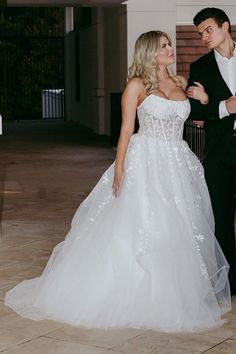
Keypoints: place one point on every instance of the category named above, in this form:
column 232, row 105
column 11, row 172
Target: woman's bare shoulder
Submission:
column 134, row 87
column 136, row 84
column 182, row 80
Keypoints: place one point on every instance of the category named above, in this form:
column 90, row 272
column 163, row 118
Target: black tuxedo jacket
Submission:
column 218, row 132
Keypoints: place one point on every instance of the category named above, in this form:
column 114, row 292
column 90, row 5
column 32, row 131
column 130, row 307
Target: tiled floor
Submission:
column 46, row 169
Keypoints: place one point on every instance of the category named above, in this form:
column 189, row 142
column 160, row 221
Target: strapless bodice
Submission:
column 162, row 118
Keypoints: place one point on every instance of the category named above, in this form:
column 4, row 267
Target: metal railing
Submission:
column 195, row 138
column 53, row 103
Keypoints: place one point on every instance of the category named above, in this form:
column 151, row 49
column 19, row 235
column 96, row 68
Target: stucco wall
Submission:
column 187, row 9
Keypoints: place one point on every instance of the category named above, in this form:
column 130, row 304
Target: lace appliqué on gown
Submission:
column 146, row 259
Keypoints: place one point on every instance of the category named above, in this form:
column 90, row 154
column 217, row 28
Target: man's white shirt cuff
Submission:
column 223, row 110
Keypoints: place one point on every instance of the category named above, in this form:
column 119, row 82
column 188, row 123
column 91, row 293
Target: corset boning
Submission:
column 163, row 119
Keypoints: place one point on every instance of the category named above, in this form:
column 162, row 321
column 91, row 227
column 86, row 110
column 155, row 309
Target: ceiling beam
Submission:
column 51, row 3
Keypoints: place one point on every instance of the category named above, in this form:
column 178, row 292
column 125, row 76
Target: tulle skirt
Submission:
column 146, row 259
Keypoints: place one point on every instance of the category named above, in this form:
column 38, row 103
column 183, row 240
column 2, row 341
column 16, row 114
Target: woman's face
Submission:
column 165, row 54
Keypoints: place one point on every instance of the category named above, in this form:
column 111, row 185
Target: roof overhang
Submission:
column 88, row 3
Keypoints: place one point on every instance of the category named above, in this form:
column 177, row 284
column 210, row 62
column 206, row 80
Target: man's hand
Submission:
column 230, row 104
column 199, row 123
column 198, row 93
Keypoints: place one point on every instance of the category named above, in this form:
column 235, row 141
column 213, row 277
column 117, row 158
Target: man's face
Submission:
column 212, row 35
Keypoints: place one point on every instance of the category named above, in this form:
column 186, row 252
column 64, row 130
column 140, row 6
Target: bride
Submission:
column 141, row 251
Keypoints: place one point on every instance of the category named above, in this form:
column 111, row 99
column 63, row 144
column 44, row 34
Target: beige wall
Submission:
column 187, row 9
column 148, row 15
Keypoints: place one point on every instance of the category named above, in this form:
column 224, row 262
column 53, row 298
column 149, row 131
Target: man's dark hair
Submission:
column 212, row 12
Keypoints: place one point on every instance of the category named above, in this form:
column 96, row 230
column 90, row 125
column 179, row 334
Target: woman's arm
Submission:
column 129, row 103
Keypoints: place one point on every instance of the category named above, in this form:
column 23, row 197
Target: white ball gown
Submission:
column 146, row 259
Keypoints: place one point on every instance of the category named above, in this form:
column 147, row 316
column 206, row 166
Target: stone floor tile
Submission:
column 227, row 347
column 231, row 321
column 163, row 343
column 15, row 329
column 15, row 322
column 52, row 346
column 9, row 338
column 234, row 304
column 227, row 331
column 4, row 310
column 97, row 337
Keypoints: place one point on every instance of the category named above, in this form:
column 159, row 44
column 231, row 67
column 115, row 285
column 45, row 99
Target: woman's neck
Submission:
column 162, row 74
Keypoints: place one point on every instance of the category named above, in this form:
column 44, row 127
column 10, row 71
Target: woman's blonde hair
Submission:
column 144, row 64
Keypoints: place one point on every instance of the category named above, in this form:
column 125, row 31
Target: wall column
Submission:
column 143, row 16
column 99, row 91
column 69, row 53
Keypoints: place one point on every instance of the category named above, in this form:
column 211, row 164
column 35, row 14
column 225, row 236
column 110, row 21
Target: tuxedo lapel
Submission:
column 215, row 76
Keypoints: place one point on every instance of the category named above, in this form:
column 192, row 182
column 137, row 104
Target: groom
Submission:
column 216, row 71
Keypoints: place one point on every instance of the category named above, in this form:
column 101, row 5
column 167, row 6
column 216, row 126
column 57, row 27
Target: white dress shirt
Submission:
column 227, row 69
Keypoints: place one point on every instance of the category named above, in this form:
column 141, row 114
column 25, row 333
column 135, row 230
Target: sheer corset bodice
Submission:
column 163, row 118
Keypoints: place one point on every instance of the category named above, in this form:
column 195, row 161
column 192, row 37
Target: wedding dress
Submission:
column 146, row 259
